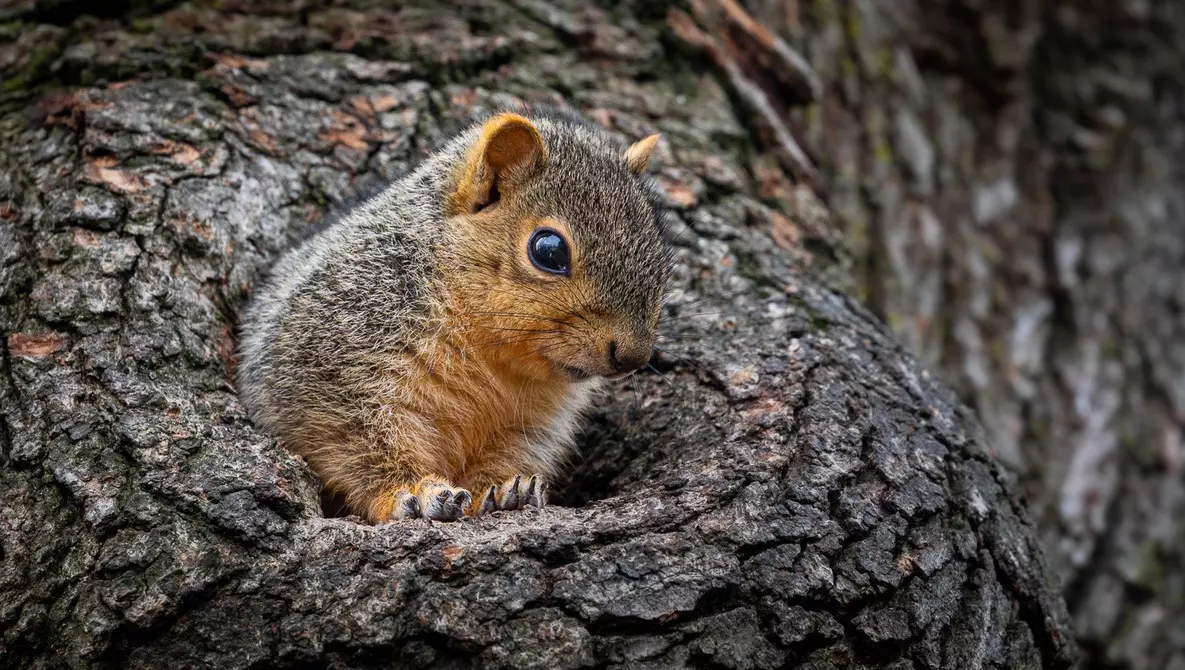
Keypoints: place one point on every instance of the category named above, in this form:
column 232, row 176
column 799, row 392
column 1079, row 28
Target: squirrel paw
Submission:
column 518, row 492
column 407, row 506
column 444, row 503
column 437, row 501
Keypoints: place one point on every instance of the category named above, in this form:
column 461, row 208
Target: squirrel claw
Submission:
column 535, row 496
column 517, row 494
column 443, row 503
column 489, row 503
column 509, row 498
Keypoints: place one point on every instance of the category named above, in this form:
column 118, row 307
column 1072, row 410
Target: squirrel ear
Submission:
column 510, row 148
column 637, row 157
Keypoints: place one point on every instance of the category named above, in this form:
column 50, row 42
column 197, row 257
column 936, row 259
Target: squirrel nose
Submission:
column 628, row 357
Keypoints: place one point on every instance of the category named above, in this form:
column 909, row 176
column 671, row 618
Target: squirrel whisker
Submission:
column 537, row 295
column 666, row 299
column 508, row 343
column 478, row 326
column 688, row 316
column 665, row 379
column 681, row 359
column 545, row 299
column 520, row 340
column 522, row 315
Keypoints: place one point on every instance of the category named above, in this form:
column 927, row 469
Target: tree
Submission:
column 789, row 487
column 1007, row 177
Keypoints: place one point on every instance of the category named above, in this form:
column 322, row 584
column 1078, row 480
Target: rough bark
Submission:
column 1008, row 175
column 790, row 489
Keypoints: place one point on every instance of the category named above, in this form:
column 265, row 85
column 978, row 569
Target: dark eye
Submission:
column 549, row 252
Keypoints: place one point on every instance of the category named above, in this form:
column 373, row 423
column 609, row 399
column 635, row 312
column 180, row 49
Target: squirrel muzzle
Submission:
column 619, row 352
column 627, row 354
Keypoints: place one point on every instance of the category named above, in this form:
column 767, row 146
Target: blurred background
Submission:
column 1002, row 186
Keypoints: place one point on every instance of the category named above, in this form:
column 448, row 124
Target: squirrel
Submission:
column 430, row 353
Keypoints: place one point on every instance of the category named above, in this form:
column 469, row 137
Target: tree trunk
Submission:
column 1008, row 174
column 789, row 488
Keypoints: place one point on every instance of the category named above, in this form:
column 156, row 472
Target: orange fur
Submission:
column 637, row 157
column 508, row 143
column 476, row 413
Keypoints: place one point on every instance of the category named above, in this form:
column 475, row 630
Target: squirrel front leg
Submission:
column 432, row 497
column 392, row 472
column 385, row 479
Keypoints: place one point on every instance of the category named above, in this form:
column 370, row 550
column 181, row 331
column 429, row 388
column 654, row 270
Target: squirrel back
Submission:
column 453, row 326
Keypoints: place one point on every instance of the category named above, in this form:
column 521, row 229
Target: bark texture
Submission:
column 1009, row 177
column 792, row 490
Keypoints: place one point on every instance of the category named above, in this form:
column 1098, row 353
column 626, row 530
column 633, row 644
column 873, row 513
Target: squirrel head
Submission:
column 555, row 255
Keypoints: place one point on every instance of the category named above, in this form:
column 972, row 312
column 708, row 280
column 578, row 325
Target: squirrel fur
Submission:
column 419, row 359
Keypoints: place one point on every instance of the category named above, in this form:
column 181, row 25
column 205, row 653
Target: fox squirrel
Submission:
column 442, row 339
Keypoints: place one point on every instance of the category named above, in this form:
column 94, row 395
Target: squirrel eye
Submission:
column 549, row 252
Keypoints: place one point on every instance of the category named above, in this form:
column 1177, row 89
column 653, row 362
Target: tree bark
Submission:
column 1008, row 176
column 789, row 488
